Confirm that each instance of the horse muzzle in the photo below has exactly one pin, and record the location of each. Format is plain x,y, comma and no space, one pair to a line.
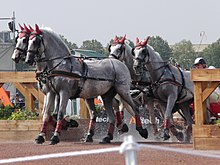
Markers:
16,56
29,58
138,67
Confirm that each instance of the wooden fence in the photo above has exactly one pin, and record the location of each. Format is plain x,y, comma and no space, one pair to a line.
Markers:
26,83
205,136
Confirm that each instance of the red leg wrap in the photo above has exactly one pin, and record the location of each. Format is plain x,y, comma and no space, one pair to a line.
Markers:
166,123
111,128
52,121
44,127
122,115
138,121
118,118
58,127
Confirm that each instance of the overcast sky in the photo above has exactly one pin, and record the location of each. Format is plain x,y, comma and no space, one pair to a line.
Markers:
79,20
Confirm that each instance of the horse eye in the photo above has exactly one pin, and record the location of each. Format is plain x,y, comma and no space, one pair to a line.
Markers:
144,51
25,40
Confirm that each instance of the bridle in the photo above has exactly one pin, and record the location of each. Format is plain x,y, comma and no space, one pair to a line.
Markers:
23,50
37,52
121,52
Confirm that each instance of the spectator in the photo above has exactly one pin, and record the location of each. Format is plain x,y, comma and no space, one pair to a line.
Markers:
200,63
18,102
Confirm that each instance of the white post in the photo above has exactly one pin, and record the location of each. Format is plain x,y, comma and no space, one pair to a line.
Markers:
128,148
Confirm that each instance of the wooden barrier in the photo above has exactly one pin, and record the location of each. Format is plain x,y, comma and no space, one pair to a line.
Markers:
22,130
26,83
205,136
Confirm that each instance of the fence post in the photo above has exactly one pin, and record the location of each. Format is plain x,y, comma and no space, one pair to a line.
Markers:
129,148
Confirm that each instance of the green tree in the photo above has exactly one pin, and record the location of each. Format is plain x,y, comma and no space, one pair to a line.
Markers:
93,45
69,44
211,54
184,54
161,46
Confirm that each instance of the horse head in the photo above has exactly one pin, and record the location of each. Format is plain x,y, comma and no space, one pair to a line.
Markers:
21,43
117,49
35,46
141,54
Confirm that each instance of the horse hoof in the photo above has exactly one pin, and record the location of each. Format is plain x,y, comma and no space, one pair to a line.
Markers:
180,136
124,129
88,139
107,139
73,123
166,135
54,140
142,132
39,140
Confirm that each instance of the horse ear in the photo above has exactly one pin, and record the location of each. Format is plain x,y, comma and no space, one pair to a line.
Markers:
38,31
145,41
31,29
148,39
21,27
26,29
137,41
116,39
123,39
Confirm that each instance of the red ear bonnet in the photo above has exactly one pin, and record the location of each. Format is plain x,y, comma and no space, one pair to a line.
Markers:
145,41
21,27
37,30
123,39
26,29
116,39
137,41
31,29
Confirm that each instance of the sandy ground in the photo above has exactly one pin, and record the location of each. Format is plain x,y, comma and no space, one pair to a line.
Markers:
144,156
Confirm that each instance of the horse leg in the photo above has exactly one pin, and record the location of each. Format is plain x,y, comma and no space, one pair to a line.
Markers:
187,113
107,100
119,111
53,118
93,114
60,116
168,116
48,107
127,97
149,102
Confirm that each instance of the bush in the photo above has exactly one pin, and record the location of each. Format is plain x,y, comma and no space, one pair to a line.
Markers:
5,112
23,115
11,113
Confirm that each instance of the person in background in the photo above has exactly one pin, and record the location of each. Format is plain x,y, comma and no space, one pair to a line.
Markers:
200,63
18,102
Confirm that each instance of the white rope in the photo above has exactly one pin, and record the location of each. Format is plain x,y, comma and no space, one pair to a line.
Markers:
182,151
58,155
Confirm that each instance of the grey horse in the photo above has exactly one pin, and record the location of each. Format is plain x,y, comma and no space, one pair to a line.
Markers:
170,84
121,50
82,79
50,99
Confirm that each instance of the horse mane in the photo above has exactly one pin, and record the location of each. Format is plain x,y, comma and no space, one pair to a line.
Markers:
48,30
151,50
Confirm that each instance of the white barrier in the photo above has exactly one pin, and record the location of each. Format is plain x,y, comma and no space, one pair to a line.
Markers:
128,148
